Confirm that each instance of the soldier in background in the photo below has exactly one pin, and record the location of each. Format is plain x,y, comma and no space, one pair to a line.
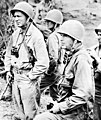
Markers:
34,5
41,9
95,52
53,19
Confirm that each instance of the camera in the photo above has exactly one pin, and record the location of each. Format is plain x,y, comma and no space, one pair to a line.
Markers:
14,51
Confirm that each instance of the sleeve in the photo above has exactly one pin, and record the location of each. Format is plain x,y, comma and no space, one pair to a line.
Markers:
82,86
7,60
42,63
53,47
93,53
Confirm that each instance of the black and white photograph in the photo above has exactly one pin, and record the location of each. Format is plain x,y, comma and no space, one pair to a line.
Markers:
50,59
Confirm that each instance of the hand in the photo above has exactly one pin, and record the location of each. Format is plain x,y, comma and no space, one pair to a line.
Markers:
9,77
52,66
47,32
55,108
94,56
44,30
32,77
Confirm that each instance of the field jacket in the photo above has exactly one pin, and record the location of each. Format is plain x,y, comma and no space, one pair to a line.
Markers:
79,72
35,40
94,51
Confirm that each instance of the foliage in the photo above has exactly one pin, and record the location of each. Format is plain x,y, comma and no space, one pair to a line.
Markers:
6,22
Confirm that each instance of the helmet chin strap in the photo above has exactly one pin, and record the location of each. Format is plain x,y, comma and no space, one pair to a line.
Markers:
76,44
27,23
72,48
54,27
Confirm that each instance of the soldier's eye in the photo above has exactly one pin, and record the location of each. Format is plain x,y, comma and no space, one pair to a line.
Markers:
16,16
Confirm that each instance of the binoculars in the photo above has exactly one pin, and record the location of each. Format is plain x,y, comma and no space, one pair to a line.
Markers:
14,51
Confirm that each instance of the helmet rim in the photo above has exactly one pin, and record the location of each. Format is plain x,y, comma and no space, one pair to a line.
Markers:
73,28
21,6
54,18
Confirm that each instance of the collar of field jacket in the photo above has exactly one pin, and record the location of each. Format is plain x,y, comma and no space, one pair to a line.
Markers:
22,31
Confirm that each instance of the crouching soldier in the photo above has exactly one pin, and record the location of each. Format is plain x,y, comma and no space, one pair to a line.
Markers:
78,77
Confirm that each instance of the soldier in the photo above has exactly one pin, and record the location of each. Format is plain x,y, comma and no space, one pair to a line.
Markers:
78,79
95,52
34,5
41,11
54,19
27,57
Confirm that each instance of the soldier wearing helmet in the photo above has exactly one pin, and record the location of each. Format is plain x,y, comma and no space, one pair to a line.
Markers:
95,52
76,86
34,4
27,57
54,19
41,11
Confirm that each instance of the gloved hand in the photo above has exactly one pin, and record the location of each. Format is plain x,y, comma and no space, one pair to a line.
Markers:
95,58
55,108
52,66
9,77
46,32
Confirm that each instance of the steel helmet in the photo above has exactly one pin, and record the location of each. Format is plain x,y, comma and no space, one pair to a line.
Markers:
54,16
98,29
24,7
73,28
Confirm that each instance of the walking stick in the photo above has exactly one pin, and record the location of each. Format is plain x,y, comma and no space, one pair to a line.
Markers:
3,92
10,81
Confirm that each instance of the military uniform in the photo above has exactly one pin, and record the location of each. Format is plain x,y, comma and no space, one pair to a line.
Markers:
53,43
24,86
76,87
53,75
79,104
96,54
27,54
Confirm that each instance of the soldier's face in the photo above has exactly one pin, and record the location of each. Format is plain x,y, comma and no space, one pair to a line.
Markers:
67,42
20,19
49,24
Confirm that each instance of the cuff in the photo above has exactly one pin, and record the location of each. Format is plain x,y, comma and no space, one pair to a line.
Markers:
63,106
30,76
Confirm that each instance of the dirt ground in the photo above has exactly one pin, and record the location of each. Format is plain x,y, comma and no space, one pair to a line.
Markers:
90,16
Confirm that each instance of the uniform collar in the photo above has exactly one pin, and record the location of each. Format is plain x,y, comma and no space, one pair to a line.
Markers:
23,31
